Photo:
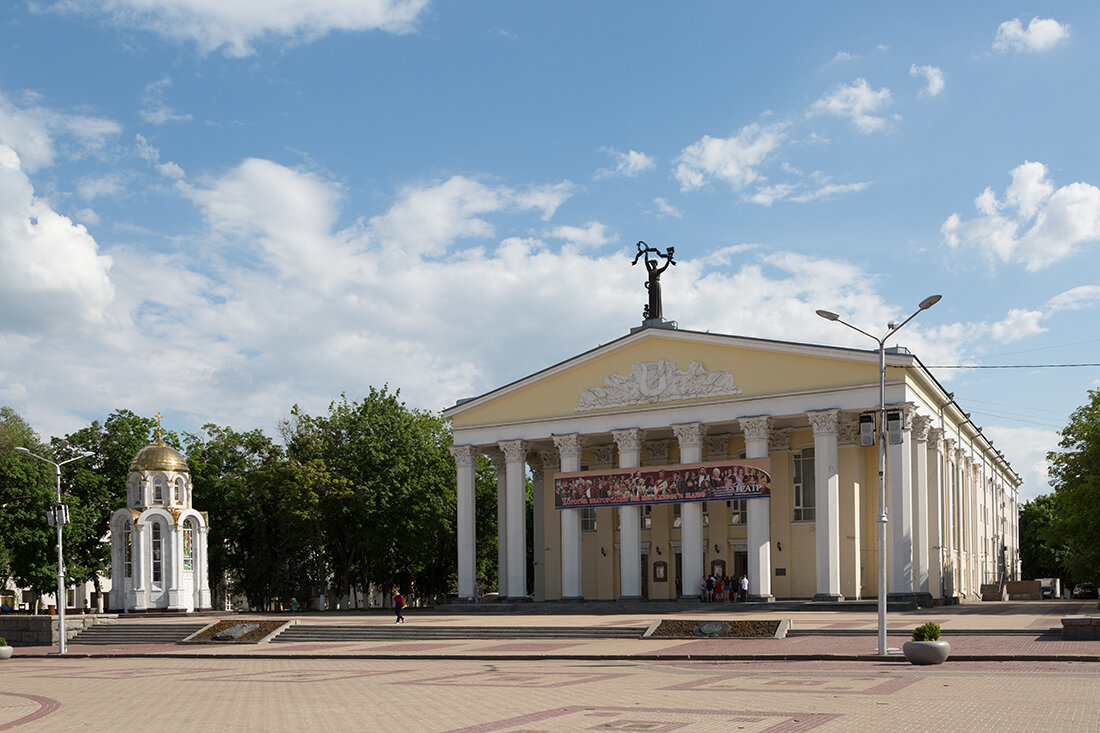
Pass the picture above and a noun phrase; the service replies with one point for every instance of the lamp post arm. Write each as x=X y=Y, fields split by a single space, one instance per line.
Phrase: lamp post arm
x=857 y=328
x=897 y=328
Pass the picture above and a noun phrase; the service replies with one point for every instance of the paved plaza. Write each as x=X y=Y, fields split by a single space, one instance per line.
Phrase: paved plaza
x=801 y=683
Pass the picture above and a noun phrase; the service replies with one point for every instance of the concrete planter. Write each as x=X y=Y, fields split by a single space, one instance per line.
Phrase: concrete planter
x=5 y=652
x=926 y=652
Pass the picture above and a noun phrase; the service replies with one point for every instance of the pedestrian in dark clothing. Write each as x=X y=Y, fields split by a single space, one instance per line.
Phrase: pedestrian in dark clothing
x=398 y=607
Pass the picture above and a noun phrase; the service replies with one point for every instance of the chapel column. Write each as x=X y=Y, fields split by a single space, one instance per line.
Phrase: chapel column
x=921 y=523
x=827 y=501
x=935 y=512
x=630 y=531
x=899 y=472
x=202 y=568
x=497 y=459
x=757 y=430
x=569 y=448
x=515 y=455
x=465 y=464
x=138 y=558
x=173 y=557
x=690 y=437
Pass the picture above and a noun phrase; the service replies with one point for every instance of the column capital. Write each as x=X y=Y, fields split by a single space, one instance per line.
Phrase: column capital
x=824 y=422
x=689 y=434
x=569 y=446
x=756 y=428
x=779 y=440
x=657 y=450
x=628 y=439
x=908 y=410
x=718 y=446
x=848 y=432
x=514 y=450
x=549 y=459
x=465 y=455
x=496 y=456
x=949 y=446
x=935 y=438
x=921 y=426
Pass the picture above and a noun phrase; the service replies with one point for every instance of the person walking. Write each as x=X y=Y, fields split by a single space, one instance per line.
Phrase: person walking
x=398 y=607
x=744 y=588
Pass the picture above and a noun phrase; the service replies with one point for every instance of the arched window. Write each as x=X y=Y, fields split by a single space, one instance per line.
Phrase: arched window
x=158 y=490
x=179 y=492
x=158 y=547
x=188 y=540
x=127 y=550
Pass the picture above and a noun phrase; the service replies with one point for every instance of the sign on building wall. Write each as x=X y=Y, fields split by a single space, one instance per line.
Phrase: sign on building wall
x=741 y=479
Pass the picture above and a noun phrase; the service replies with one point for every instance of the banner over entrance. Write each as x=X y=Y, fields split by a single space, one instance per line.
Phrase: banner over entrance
x=741 y=479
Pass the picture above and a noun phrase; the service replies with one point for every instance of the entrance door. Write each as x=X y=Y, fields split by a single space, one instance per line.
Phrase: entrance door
x=680 y=575
x=645 y=576
x=740 y=564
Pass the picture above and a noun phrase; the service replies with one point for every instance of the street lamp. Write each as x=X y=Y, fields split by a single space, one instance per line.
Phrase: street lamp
x=891 y=329
x=58 y=515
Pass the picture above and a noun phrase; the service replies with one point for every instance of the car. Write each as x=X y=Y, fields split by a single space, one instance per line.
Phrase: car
x=1048 y=592
x=1084 y=590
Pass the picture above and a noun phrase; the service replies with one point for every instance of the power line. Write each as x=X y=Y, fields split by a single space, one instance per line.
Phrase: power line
x=1010 y=366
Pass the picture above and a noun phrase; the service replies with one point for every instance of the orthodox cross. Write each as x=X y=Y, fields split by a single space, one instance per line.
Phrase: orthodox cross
x=654 y=311
x=158 y=416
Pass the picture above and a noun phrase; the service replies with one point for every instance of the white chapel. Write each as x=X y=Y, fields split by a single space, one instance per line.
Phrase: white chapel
x=159 y=541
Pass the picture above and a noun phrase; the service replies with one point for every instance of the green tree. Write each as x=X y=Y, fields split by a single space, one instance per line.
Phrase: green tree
x=27 y=544
x=1075 y=475
x=1041 y=550
x=485 y=501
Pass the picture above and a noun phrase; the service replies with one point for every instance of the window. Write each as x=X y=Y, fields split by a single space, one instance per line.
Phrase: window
x=128 y=551
x=158 y=490
x=157 y=552
x=588 y=519
x=706 y=513
x=804 y=504
x=647 y=516
x=677 y=519
x=188 y=538
x=739 y=512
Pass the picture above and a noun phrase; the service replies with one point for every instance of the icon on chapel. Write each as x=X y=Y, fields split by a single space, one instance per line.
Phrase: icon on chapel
x=158 y=541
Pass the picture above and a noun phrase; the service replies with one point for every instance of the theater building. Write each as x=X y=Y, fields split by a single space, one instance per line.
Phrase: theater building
x=662 y=398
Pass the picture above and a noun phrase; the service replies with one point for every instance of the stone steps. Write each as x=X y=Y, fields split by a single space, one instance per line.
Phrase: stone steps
x=404 y=632
x=137 y=633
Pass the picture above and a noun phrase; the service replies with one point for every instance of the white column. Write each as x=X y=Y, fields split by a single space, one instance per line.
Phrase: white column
x=899 y=472
x=690 y=437
x=827 y=495
x=630 y=531
x=515 y=454
x=138 y=556
x=921 y=523
x=569 y=448
x=465 y=463
x=202 y=568
x=497 y=459
x=948 y=538
x=173 y=556
x=935 y=512
x=757 y=431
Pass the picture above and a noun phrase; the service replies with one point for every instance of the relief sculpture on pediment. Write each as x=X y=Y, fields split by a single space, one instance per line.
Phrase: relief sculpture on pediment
x=657 y=381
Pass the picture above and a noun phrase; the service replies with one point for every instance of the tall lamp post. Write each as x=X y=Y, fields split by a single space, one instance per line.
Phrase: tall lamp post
x=58 y=515
x=891 y=328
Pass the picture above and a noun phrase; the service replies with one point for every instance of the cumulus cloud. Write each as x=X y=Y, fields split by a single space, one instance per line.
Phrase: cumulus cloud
x=238 y=25
x=31 y=130
x=148 y=152
x=735 y=160
x=1041 y=34
x=856 y=101
x=630 y=164
x=664 y=208
x=1035 y=224
x=933 y=79
x=51 y=271
x=593 y=234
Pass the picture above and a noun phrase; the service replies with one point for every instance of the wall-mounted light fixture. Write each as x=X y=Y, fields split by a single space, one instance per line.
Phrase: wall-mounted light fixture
x=716 y=550
x=658 y=549
x=779 y=545
x=603 y=551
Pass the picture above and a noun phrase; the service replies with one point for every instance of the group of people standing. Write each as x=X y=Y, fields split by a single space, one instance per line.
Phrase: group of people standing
x=724 y=588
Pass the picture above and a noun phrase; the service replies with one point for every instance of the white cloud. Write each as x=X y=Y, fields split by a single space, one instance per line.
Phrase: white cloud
x=1027 y=448
x=149 y=152
x=1041 y=34
x=630 y=164
x=154 y=109
x=1018 y=324
x=238 y=25
x=843 y=56
x=933 y=79
x=857 y=102
x=592 y=235
x=822 y=190
x=1078 y=298
x=109 y=185
x=664 y=208
x=734 y=160
x=51 y=272
x=30 y=131
x=1035 y=225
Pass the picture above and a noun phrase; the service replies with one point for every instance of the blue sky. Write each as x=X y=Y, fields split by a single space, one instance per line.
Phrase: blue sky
x=217 y=210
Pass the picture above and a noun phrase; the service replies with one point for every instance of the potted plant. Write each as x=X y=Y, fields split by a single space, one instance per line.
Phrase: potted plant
x=5 y=650
x=926 y=648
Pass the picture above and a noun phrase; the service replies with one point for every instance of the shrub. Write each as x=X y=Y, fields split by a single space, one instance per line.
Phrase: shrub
x=927 y=632
x=3 y=641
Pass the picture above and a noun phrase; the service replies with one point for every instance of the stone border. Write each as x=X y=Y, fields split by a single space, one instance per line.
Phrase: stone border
x=783 y=626
x=196 y=638
x=1080 y=628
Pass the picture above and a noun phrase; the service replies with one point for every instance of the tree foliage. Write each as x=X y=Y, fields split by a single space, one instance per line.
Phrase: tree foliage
x=27 y=554
x=1075 y=475
x=1041 y=549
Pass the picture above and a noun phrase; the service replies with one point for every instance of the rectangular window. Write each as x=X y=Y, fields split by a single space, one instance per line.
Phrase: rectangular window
x=188 y=556
x=588 y=519
x=677 y=519
x=706 y=513
x=157 y=550
x=739 y=512
x=128 y=552
x=804 y=496
x=647 y=516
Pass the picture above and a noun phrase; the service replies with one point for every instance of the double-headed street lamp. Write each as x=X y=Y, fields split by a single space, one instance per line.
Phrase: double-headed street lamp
x=891 y=329
x=58 y=516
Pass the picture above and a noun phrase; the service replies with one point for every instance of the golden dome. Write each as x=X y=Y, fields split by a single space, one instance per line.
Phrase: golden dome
x=158 y=456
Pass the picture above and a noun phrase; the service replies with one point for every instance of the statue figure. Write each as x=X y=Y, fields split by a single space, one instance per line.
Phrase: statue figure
x=653 y=310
